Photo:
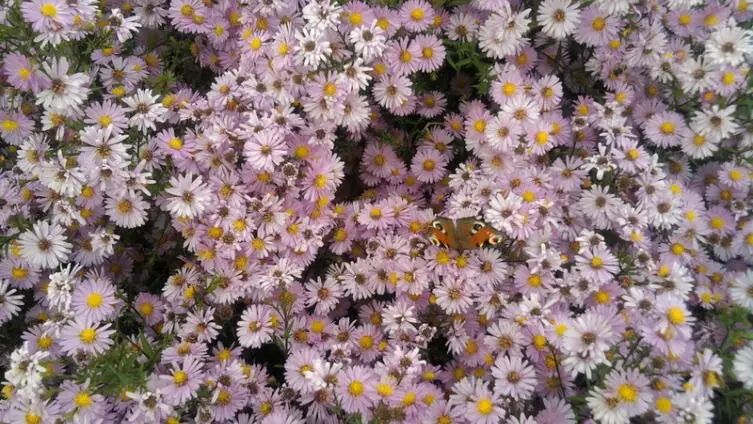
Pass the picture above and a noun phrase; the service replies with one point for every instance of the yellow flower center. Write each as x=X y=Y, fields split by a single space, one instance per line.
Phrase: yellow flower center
x=175 y=143
x=355 y=388
x=45 y=342
x=676 y=315
x=104 y=120
x=329 y=89
x=124 y=206
x=599 y=23
x=88 y=335
x=9 y=125
x=224 y=397
x=24 y=73
x=18 y=273
x=49 y=10
x=317 y=326
x=602 y=297
x=384 y=389
x=32 y=418
x=146 y=309
x=663 y=405
x=728 y=78
x=302 y=151
x=627 y=393
x=94 y=300
x=539 y=342
x=366 y=342
x=484 y=406
x=509 y=89
x=82 y=400
x=408 y=399
x=417 y=14
x=542 y=137
x=667 y=128
x=355 y=18
x=180 y=378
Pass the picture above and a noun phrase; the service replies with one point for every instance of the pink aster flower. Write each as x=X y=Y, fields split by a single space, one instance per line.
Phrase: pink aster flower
x=23 y=74
x=514 y=377
x=666 y=129
x=265 y=149
x=428 y=165
x=356 y=390
x=183 y=381
x=597 y=264
x=393 y=91
x=416 y=15
x=45 y=245
x=189 y=196
x=255 y=327
x=94 y=299
x=83 y=335
x=47 y=15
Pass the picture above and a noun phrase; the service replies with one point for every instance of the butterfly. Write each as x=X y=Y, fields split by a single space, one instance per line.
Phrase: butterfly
x=463 y=234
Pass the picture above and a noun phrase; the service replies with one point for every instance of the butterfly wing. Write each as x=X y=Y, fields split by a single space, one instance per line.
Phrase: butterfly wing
x=481 y=234
x=442 y=233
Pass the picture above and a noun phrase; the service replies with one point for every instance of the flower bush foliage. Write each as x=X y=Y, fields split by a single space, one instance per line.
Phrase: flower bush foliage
x=279 y=211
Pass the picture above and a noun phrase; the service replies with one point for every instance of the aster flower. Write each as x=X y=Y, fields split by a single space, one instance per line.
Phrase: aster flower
x=368 y=41
x=127 y=210
x=502 y=34
x=10 y=301
x=558 y=18
x=392 y=92
x=266 y=149
x=416 y=15
x=94 y=299
x=83 y=335
x=743 y=365
x=47 y=15
x=254 y=327
x=729 y=45
x=44 y=245
x=23 y=74
x=356 y=390
x=597 y=264
x=588 y=336
x=64 y=91
x=150 y=406
x=189 y=196
x=147 y=112
x=183 y=381
x=514 y=377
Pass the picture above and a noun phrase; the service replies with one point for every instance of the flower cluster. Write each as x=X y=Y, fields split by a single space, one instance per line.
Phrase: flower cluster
x=483 y=211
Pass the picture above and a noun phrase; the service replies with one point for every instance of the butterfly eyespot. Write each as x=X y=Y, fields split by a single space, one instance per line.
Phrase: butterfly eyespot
x=477 y=226
x=438 y=225
x=495 y=240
